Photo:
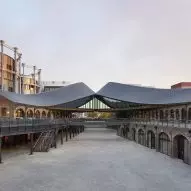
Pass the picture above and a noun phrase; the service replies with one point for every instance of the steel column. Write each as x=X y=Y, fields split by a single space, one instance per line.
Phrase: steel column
x=31 y=145
x=62 y=137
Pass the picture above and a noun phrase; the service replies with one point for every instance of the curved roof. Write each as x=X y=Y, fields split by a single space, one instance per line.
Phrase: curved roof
x=144 y=95
x=59 y=96
x=76 y=95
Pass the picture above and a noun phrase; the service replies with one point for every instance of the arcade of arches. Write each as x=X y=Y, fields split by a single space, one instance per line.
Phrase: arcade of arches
x=21 y=112
x=167 y=141
x=174 y=113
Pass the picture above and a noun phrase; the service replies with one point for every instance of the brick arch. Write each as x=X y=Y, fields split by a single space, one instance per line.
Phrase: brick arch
x=181 y=147
x=184 y=134
x=141 y=136
x=151 y=137
x=162 y=131
x=20 y=112
x=143 y=128
x=37 y=113
x=164 y=143
x=20 y=107
x=17 y=108
x=43 y=114
x=30 y=112
x=49 y=114
x=177 y=114
x=133 y=131
x=121 y=130
x=172 y=112
x=126 y=131
x=151 y=128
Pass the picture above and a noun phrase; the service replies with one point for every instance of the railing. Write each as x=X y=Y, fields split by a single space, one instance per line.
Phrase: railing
x=165 y=123
x=11 y=126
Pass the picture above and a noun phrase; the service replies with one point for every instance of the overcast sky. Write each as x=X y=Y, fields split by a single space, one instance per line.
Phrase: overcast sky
x=144 y=42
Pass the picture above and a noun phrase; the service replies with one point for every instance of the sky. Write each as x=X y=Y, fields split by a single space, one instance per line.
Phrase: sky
x=145 y=42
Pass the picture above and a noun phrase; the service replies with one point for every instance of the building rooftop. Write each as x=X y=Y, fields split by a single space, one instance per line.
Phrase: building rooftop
x=78 y=94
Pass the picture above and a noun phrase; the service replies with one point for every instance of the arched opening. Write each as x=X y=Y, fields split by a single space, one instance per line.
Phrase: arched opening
x=151 y=139
x=126 y=132
x=4 y=112
x=180 y=147
x=30 y=113
x=172 y=114
x=122 y=132
x=153 y=114
x=49 y=115
x=20 y=113
x=43 y=114
x=157 y=115
x=183 y=114
x=164 y=143
x=177 y=114
x=37 y=114
x=166 y=114
x=161 y=115
x=141 y=137
x=189 y=114
x=133 y=134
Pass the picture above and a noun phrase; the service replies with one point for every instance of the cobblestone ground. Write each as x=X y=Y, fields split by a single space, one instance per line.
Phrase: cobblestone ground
x=96 y=160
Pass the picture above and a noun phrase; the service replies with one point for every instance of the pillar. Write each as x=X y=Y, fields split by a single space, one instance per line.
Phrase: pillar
x=145 y=132
x=55 y=139
x=189 y=153
x=157 y=142
x=70 y=130
x=61 y=136
x=66 y=134
x=136 y=136
x=31 y=145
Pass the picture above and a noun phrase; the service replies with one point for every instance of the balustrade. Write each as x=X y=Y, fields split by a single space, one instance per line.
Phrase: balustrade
x=11 y=126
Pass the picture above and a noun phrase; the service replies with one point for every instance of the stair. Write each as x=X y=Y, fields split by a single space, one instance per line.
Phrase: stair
x=45 y=141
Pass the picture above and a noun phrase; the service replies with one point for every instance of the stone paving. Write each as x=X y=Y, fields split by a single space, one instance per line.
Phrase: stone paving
x=96 y=160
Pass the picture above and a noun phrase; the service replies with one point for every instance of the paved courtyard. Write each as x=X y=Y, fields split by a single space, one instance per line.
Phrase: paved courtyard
x=96 y=160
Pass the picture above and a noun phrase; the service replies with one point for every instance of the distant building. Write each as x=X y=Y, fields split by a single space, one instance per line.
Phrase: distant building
x=181 y=85
x=11 y=77
x=29 y=85
x=52 y=85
